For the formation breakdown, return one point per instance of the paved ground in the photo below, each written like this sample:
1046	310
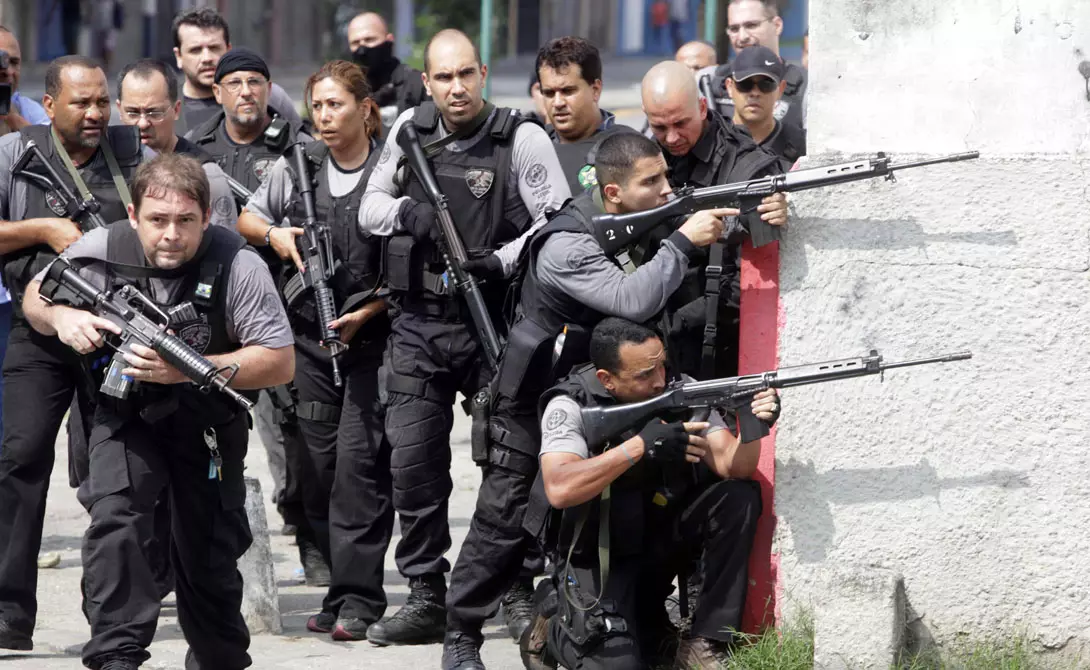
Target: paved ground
62	626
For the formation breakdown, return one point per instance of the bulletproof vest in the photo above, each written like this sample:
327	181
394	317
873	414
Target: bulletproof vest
787	143
577	158
187	148
248	164
358	257
530	364
198	311
404	90
21	266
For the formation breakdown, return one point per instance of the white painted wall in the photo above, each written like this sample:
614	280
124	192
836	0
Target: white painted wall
972	479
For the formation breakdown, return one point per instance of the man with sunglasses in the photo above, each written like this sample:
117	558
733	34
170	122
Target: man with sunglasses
756	85
757	23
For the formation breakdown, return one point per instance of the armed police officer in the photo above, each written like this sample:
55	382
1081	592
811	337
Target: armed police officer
349	504
147	97
570	72
703	149
673	481
201	38
95	161
167	432
397	87
570	284
756	84
500	175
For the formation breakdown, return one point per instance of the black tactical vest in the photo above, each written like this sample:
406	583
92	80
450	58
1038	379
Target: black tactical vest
577	158
248	164
529	365
203	285
187	148
359	257
21	266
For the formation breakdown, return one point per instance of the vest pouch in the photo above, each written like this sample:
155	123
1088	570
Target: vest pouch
526	350
626	524
404	264
587	628
480	411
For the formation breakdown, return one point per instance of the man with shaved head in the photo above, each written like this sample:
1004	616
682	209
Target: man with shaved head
500	176
703	149
396	86
696	55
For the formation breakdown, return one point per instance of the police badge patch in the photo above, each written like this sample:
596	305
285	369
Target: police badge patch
54	204
262	168
479	182
197	335
781	109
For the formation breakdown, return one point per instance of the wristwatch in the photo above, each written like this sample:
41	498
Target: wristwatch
268	232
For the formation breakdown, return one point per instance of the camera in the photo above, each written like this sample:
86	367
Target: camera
5	88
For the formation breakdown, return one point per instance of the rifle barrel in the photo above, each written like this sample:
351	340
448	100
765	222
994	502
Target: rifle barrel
952	158
946	358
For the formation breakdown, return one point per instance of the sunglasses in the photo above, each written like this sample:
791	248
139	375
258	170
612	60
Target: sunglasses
765	84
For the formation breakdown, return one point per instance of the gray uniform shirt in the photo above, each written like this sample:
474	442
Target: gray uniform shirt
224	211
270	201
13	192
534	184
562	426
255	315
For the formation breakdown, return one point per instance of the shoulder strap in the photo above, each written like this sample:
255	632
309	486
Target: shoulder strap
206	132
426	116
506	121
125	143
188	148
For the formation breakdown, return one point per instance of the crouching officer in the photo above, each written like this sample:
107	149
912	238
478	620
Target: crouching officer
167	433
348	503
628	512
570	285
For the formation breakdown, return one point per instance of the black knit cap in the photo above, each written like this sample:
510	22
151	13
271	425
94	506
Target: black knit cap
240	59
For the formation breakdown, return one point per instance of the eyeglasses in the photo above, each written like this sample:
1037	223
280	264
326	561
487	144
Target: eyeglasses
765	84
152	115
748	26
235	85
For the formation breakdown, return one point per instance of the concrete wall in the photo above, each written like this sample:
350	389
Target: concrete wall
971	479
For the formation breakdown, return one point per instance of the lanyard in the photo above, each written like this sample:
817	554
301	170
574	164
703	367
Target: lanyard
111	163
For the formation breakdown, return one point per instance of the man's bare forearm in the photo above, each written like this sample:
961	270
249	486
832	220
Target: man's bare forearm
575	482
253	228
259	367
38	312
730	459
16	235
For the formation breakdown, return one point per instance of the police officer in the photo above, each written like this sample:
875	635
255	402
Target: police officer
669	485
40	374
342	423
696	55
756	84
397	86
569	286
500	175
758	23
570	71
201	37
702	149
167	432
147	97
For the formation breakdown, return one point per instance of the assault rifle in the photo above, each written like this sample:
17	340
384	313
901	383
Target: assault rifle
241	193
616	231
316	247
452	248
602	424
128	308
84	213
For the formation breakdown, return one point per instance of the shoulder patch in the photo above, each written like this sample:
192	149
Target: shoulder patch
556	418
588	177
536	175
223	205
262	167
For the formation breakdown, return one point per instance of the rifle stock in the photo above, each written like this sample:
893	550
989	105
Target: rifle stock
454	252
84	213
603	424
616	231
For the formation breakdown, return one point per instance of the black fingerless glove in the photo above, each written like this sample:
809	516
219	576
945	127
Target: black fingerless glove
664	442
418	218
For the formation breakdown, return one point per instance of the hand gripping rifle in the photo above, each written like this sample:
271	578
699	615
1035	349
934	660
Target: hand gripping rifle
127	308
83	213
454	251
616	231
602	424
316	246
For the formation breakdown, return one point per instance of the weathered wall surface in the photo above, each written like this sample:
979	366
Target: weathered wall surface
971	479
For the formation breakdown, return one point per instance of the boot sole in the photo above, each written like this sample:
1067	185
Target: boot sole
340	634
318	629
384	642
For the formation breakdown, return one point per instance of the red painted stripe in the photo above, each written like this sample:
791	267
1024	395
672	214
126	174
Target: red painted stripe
758	352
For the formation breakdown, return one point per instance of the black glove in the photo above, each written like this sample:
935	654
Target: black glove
419	219
488	268
664	442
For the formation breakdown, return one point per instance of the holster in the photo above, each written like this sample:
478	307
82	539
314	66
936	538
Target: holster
480	412
404	264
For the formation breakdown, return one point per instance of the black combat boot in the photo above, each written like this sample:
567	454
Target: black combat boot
119	664
315	568
10	638
518	607
421	620
461	652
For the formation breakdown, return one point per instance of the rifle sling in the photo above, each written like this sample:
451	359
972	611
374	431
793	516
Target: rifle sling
712	276
111	163
433	148
603	551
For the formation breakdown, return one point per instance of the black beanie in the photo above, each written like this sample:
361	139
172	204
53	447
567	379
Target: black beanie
240	59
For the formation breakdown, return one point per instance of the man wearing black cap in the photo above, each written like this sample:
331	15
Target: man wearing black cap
246	136
756	86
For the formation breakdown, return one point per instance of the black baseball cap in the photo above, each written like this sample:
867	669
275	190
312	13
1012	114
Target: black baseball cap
757	60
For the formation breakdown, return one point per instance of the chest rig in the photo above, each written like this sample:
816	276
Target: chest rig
249	164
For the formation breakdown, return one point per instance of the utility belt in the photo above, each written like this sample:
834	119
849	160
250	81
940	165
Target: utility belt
418	268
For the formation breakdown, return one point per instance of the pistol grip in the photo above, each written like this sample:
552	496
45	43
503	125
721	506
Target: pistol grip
750	428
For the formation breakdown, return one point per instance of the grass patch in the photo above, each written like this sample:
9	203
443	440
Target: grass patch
791	650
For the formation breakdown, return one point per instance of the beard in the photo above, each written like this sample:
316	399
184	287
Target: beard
75	137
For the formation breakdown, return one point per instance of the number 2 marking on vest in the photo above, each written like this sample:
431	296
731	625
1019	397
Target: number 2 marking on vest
610	235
